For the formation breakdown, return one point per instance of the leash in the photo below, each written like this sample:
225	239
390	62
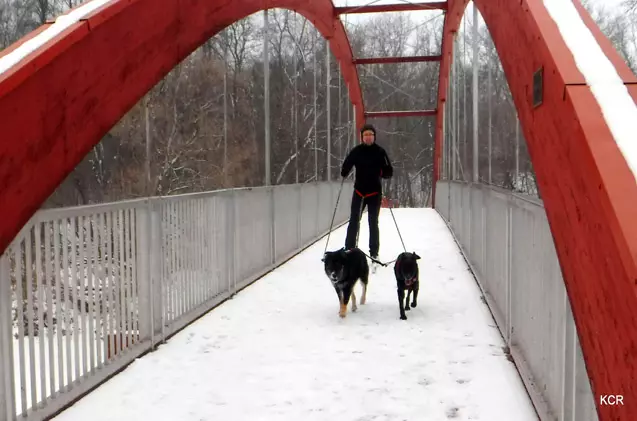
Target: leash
376	260
395	223
360	215
334	214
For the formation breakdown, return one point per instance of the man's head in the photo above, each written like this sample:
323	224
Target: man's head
368	134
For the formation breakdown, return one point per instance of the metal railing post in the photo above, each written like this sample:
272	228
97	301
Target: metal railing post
143	272
7	400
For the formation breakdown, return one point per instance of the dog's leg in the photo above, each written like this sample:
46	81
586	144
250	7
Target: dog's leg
407	300
346	292
342	307
364	296
354	307
364	281
414	303
401	299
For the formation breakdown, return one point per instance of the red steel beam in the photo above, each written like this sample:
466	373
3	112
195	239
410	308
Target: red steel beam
411	113
588	190
392	60
380	8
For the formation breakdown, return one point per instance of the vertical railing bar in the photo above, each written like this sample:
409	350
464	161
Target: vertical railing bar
235	242
96	296
116	279
166	257
74	298
193	253
163	255
131	277
146	242
201	225
201	250
183	251
39	280
173	262
89	287
179	257
136	279
49	299
124	286
156	256
85	239
7	374
102	333
19	265
189	255
178	280
127	282
68	316
196	251
210	255
90	291
122	281
110	279
58	303
205	249
214	255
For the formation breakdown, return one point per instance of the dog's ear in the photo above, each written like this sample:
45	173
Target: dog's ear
324	256
415	255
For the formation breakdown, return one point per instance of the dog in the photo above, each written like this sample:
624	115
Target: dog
406	271
344	268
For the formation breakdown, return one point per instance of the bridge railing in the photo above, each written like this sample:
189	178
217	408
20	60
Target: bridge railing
507	241
86	290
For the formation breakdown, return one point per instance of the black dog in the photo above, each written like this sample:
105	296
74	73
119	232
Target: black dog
406	271
345	268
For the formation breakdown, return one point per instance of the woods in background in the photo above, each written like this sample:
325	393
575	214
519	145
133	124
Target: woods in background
192	149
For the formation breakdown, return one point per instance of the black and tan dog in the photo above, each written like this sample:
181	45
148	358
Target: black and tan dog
344	268
406	271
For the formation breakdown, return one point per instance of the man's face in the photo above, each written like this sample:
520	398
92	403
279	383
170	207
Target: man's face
368	137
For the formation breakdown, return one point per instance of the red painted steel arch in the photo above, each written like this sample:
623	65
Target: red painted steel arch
589	192
56	105
60	101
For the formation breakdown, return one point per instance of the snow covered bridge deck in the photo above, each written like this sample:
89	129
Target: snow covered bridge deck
279	351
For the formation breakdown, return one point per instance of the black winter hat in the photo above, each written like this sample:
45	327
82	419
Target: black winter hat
368	127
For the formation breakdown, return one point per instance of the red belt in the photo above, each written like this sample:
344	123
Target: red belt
365	195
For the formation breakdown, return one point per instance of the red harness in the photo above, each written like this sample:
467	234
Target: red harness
364	196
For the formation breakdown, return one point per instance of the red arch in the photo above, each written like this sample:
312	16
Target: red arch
61	100
589	192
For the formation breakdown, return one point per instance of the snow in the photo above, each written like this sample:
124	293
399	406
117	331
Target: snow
618	107
279	351
61	24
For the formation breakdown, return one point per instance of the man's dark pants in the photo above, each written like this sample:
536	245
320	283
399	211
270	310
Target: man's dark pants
372	201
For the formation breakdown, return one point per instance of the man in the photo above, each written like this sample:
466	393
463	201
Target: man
372	164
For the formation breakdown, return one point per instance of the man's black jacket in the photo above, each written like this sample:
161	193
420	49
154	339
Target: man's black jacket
372	163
